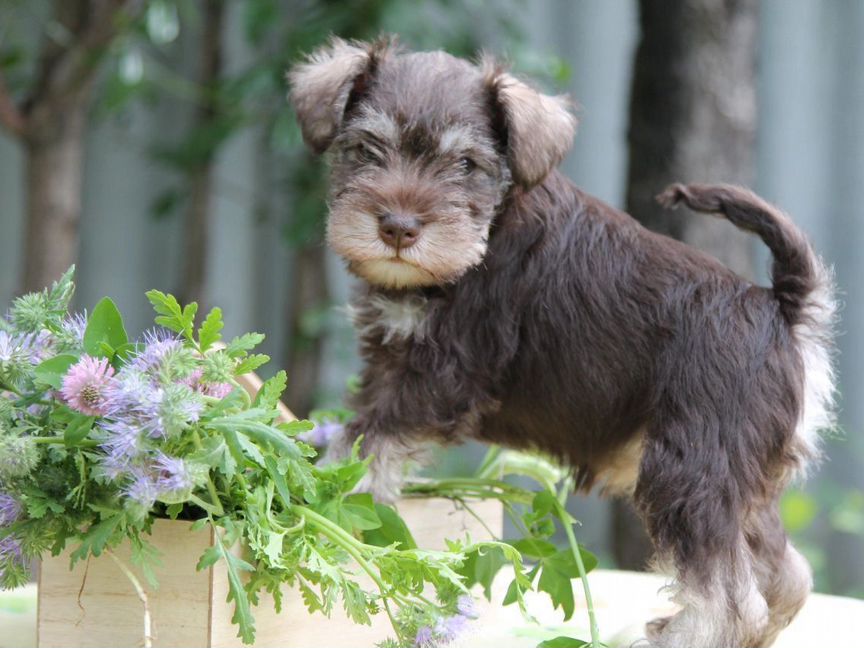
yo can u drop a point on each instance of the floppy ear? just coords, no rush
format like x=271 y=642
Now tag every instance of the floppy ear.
x=323 y=85
x=539 y=129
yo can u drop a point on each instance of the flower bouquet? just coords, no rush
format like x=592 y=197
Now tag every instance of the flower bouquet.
x=102 y=439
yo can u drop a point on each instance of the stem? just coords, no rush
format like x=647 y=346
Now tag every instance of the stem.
x=566 y=522
x=247 y=399
x=86 y=443
x=211 y=487
x=488 y=463
x=349 y=544
x=142 y=596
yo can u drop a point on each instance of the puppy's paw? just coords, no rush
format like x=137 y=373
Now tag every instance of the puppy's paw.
x=383 y=480
x=655 y=627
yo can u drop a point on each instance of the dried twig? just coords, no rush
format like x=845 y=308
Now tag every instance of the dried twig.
x=142 y=596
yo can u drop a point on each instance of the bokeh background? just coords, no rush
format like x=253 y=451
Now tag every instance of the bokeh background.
x=149 y=142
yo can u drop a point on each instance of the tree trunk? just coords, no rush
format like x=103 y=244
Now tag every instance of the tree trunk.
x=54 y=153
x=200 y=182
x=692 y=118
x=309 y=297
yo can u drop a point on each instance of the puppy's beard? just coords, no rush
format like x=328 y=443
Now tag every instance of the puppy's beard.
x=443 y=253
x=393 y=273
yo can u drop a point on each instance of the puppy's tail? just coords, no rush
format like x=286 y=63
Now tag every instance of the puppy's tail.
x=801 y=282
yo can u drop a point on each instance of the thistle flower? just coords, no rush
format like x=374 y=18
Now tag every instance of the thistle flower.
x=164 y=357
x=171 y=411
x=11 y=561
x=450 y=628
x=129 y=393
x=122 y=445
x=467 y=606
x=173 y=479
x=71 y=333
x=10 y=509
x=85 y=385
x=424 y=637
x=141 y=490
x=321 y=435
x=213 y=389
x=14 y=359
x=18 y=456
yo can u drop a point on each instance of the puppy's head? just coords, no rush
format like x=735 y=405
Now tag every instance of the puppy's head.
x=424 y=148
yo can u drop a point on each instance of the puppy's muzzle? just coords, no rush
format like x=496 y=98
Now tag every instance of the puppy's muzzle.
x=399 y=230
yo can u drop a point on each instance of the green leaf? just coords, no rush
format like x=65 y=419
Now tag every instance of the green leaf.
x=171 y=316
x=51 y=371
x=210 y=331
x=77 y=429
x=535 y=547
x=97 y=538
x=240 y=345
x=359 y=511
x=562 y=642
x=278 y=478
x=251 y=363
x=481 y=566
x=104 y=330
x=393 y=530
x=271 y=391
x=242 y=611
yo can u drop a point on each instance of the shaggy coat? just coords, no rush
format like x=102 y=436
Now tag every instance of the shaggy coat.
x=538 y=317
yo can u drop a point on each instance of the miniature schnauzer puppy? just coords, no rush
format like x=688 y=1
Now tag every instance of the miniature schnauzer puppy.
x=501 y=303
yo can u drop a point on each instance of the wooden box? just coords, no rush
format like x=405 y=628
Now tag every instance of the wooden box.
x=95 y=605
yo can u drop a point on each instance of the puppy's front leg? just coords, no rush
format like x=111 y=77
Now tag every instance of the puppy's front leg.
x=390 y=453
x=400 y=413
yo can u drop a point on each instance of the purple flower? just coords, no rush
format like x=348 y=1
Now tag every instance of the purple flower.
x=85 y=384
x=451 y=628
x=172 y=475
x=10 y=509
x=467 y=606
x=130 y=392
x=158 y=344
x=122 y=445
x=171 y=410
x=320 y=435
x=142 y=490
x=10 y=555
x=213 y=389
x=424 y=637
x=73 y=327
x=9 y=347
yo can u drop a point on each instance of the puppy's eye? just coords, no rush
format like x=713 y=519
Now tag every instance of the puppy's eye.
x=467 y=165
x=363 y=153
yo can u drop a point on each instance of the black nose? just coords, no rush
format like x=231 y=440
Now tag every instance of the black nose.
x=399 y=230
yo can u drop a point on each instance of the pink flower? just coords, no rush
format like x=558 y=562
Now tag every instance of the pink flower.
x=85 y=383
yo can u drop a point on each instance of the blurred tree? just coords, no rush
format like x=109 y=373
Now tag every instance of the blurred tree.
x=692 y=118
x=208 y=131
x=46 y=110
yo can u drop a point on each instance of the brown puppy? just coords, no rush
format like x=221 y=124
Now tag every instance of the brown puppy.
x=503 y=304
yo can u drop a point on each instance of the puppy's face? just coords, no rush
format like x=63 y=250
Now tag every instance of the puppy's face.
x=424 y=148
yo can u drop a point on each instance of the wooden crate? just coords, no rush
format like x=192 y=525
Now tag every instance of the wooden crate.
x=94 y=605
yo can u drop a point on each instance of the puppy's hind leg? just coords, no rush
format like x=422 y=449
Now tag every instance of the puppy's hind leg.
x=692 y=505
x=784 y=577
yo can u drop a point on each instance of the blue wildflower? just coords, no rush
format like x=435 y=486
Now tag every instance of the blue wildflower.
x=10 y=509
x=321 y=435
x=450 y=628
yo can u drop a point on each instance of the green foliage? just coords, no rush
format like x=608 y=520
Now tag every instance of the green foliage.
x=276 y=516
x=105 y=333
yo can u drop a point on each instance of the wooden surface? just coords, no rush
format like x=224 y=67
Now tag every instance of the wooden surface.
x=190 y=609
x=624 y=600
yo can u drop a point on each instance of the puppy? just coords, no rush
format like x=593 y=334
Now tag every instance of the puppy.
x=501 y=303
